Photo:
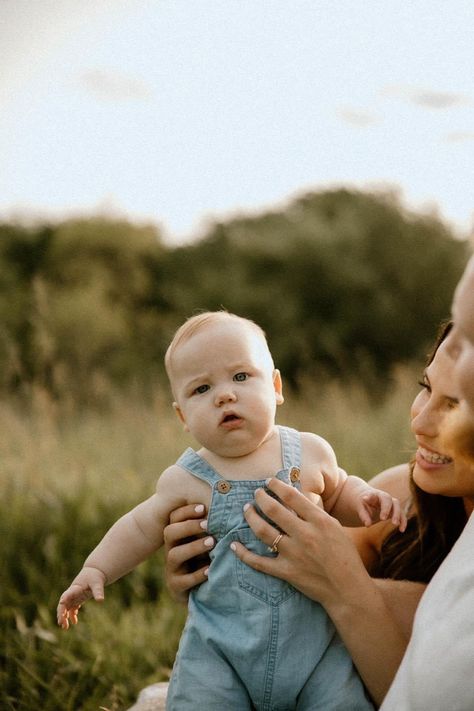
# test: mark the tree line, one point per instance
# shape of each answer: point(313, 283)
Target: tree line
point(344, 283)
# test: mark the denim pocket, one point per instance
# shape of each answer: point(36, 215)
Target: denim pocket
point(265, 587)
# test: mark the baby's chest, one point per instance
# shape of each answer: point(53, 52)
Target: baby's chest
point(224, 500)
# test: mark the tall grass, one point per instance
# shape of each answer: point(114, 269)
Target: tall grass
point(66, 476)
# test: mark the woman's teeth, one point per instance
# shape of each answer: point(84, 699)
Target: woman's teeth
point(434, 457)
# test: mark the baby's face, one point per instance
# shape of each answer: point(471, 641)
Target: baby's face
point(226, 388)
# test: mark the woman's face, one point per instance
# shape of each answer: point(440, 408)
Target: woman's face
point(435, 472)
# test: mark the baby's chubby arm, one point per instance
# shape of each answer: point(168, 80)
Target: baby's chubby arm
point(132, 539)
point(348, 498)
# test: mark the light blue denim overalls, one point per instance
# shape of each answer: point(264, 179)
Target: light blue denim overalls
point(251, 641)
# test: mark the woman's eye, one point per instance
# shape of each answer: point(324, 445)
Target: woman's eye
point(240, 377)
point(201, 389)
point(425, 385)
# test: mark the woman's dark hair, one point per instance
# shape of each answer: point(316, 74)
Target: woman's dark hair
point(431, 532)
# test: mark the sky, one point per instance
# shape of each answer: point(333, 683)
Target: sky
point(185, 112)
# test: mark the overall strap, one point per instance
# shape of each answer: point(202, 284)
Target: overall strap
point(198, 467)
point(290, 441)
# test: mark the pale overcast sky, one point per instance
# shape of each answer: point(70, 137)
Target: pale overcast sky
point(180, 111)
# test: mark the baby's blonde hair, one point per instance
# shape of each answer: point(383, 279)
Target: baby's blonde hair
point(195, 323)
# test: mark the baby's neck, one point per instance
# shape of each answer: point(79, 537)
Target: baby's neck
point(262, 462)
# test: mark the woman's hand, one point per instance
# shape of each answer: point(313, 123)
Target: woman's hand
point(186, 550)
point(314, 554)
point(317, 557)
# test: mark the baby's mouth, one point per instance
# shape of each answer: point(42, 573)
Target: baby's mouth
point(230, 417)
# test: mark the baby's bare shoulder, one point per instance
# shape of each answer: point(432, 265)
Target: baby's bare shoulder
point(173, 474)
point(319, 471)
point(315, 449)
point(179, 487)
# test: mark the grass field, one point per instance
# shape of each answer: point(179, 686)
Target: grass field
point(65, 477)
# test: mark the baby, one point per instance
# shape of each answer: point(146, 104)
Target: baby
point(250, 640)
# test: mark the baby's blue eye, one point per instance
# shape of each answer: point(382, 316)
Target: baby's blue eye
point(201, 389)
point(240, 377)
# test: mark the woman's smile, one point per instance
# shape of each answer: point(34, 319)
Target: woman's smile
point(429, 459)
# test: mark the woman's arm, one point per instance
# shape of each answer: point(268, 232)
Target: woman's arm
point(317, 557)
point(401, 596)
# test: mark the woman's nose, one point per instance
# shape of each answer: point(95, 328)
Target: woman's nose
point(424, 421)
point(453, 343)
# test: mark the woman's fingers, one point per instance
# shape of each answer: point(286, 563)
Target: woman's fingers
point(184, 513)
point(182, 584)
point(292, 502)
point(262, 529)
point(186, 569)
point(265, 564)
point(187, 547)
point(181, 554)
point(179, 533)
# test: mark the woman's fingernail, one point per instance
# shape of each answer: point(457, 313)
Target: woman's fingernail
point(206, 572)
point(203, 524)
point(199, 508)
point(267, 481)
point(246, 506)
point(233, 546)
point(209, 541)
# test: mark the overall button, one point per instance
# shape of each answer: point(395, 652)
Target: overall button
point(294, 474)
point(223, 487)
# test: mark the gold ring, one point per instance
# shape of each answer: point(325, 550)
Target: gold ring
point(274, 547)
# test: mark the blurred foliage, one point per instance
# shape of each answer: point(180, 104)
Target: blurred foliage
point(345, 283)
point(65, 478)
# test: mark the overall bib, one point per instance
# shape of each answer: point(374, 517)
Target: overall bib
point(252, 641)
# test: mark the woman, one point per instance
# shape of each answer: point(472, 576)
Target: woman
point(372, 614)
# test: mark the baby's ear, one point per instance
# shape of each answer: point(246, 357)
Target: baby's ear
point(180, 416)
point(278, 385)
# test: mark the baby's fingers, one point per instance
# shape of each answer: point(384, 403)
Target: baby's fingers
point(66, 615)
point(365, 514)
point(398, 517)
point(386, 503)
point(97, 590)
point(370, 509)
point(390, 509)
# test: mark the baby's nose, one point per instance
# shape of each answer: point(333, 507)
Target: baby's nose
point(226, 395)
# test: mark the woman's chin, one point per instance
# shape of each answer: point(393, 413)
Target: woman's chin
point(432, 479)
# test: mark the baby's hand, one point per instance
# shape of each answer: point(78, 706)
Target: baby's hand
point(375, 505)
point(89, 583)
